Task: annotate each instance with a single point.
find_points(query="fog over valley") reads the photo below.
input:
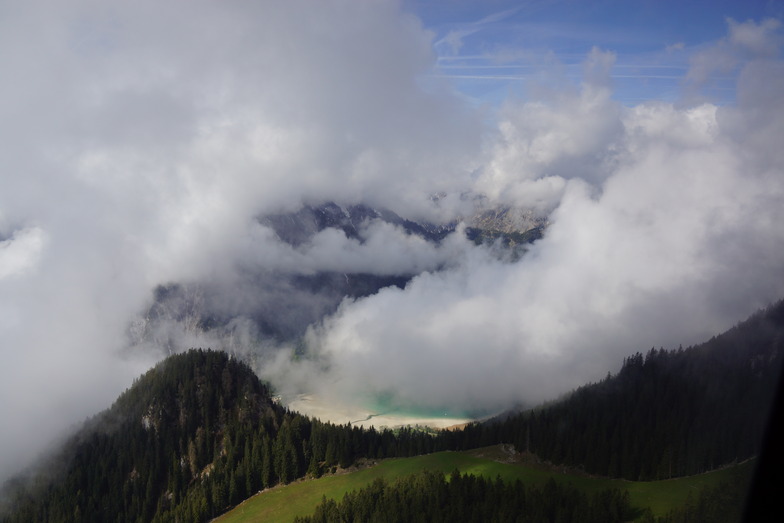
(302, 185)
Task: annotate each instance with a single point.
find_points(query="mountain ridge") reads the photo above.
(280, 304)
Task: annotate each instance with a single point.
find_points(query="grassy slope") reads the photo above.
(299, 499)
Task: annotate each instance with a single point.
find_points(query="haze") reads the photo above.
(140, 141)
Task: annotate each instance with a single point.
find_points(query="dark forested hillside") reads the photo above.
(193, 436)
(163, 436)
(199, 432)
(665, 414)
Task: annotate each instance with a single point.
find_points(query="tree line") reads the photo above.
(430, 497)
(664, 414)
(192, 437)
(199, 432)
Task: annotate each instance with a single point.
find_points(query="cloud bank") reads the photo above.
(142, 141)
(664, 232)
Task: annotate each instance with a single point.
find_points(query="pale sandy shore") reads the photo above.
(316, 407)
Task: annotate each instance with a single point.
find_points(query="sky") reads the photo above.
(141, 140)
(494, 49)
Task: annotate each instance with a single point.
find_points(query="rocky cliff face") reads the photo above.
(298, 227)
(280, 304)
(508, 220)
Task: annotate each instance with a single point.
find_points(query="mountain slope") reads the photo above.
(198, 433)
(192, 437)
(665, 414)
(139, 459)
(280, 303)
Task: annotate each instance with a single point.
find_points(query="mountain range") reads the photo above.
(279, 304)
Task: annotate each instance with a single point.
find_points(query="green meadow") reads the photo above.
(283, 504)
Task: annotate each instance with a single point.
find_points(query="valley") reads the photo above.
(199, 434)
(387, 261)
(342, 413)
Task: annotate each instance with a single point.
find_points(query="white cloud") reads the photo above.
(672, 48)
(664, 234)
(144, 138)
(746, 41)
(21, 252)
(382, 249)
(141, 140)
(544, 143)
(758, 39)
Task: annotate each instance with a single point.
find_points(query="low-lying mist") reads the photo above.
(146, 146)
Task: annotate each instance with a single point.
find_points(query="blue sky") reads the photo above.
(496, 48)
